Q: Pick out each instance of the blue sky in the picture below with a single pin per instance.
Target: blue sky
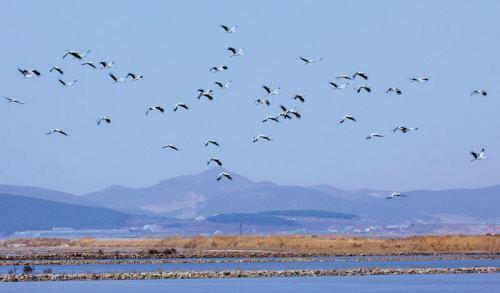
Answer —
(454, 43)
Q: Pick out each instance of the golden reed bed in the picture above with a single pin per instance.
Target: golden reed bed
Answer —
(324, 245)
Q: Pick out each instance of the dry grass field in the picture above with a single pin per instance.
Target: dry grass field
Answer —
(325, 245)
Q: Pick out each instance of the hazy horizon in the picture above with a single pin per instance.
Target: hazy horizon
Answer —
(454, 43)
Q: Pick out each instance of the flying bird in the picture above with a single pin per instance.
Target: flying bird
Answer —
(105, 119)
(271, 118)
(228, 29)
(76, 55)
(223, 85)
(360, 74)
(286, 113)
(478, 156)
(338, 86)
(363, 87)
(373, 135)
(67, 83)
(155, 108)
(393, 90)
(90, 64)
(12, 100)
(58, 69)
(180, 105)
(419, 79)
(309, 61)
(404, 129)
(260, 137)
(29, 72)
(224, 174)
(215, 160)
(57, 130)
(205, 93)
(395, 194)
(134, 76)
(344, 76)
(347, 117)
(235, 52)
(263, 102)
(299, 98)
(116, 79)
(170, 146)
(270, 91)
(210, 141)
(106, 64)
(479, 92)
(219, 68)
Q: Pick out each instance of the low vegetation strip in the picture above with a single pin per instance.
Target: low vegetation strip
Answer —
(239, 274)
(245, 246)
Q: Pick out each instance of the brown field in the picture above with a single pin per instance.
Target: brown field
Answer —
(318, 245)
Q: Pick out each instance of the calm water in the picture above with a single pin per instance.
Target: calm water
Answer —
(402, 283)
(330, 264)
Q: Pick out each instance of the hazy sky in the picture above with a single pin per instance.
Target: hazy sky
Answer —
(174, 43)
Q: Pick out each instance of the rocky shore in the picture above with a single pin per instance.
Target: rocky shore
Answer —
(116, 261)
(240, 274)
(171, 253)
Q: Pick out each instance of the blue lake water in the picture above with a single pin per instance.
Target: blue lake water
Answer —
(400, 283)
(343, 263)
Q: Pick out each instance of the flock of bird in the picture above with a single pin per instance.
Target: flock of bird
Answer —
(341, 82)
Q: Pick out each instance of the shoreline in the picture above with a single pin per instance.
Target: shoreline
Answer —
(242, 274)
(196, 260)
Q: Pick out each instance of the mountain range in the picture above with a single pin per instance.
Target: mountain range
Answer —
(200, 196)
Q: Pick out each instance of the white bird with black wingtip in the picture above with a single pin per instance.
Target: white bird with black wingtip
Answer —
(374, 135)
(224, 175)
(155, 108)
(116, 79)
(223, 85)
(58, 131)
(58, 69)
(337, 86)
(75, 54)
(347, 117)
(104, 119)
(271, 118)
(261, 137)
(404, 129)
(205, 93)
(479, 92)
(270, 91)
(27, 73)
(478, 156)
(212, 142)
(13, 100)
(263, 102)
(64, 83)
(309, 61)
(363, 87)
(228, 29)
(134, 77)
(170, 146)
(180, 105)
(219, 68)
(215, 160)
(235, 51)
(395, 194)
(393, 90)
(419, 79)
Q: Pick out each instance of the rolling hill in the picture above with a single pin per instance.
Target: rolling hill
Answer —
(20, 213)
